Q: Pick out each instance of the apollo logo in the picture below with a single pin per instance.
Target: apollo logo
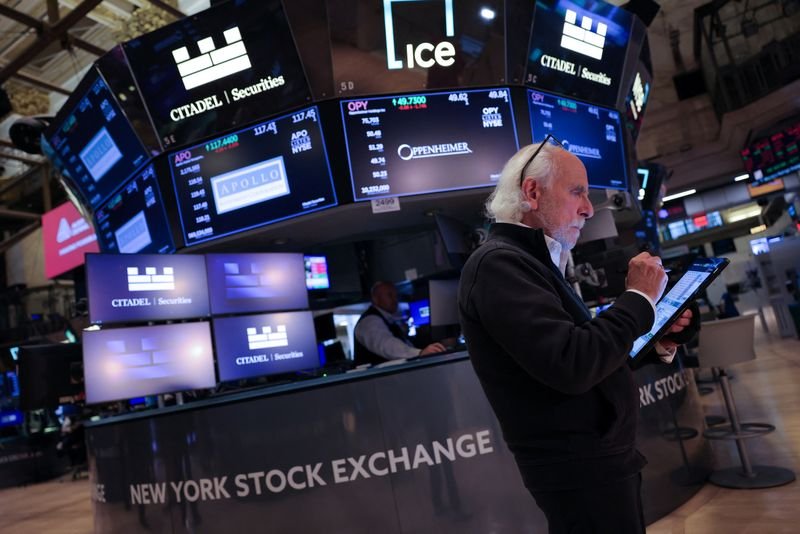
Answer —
(250, 185)
(134, 235)
(151, 280)
(212, 63)
(267, 339)
(424, 54)
(100, 154)
(582, 39)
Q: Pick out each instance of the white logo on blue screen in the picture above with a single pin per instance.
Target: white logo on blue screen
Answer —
(492, 118)
(100, 154)
(582, 39)
(134, 235)
(582, 151)
(408, 152)
(152, 360)
(212, 63)
(250, 185)
(424, 54)
(151, 280)
(267, 338)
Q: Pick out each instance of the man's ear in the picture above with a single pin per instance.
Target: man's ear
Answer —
(531, 191)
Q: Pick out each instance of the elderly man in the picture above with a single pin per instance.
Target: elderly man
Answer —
(557, 379)
(378, 337)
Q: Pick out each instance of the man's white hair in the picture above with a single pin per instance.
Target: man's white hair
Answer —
(505, 202)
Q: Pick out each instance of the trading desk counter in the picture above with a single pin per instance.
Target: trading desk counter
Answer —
(405, 448)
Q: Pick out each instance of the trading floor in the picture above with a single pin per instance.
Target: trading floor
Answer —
(765, 390)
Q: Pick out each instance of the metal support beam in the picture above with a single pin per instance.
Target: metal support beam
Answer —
(47, 197)
(40, 83)
(86, 46)
(52, 11)
(168, 8)
(56, 32)
(19, 236)
(16, 214)
(22, 18)
(23, 159)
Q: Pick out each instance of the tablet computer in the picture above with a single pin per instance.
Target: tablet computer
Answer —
(699, 275)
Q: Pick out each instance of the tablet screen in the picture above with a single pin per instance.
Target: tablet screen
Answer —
(700, 273)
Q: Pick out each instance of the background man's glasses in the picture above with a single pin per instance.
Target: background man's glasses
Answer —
(549, 138)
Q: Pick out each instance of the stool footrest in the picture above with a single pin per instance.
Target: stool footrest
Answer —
(748, 430)
(764, 476)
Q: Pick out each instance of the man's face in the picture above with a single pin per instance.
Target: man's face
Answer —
(561, 208)
(385, 298)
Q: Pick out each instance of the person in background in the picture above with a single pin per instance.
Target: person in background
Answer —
(558, 380)
(378, 338)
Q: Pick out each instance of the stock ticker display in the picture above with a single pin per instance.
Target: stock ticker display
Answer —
(265, 173)
(425, 143)
(774, 156)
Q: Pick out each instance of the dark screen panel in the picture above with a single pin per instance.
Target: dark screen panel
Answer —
(95, 144)
(47, 373)
(268, 172)
(592, 133)
(223, 67)
(134, 220)
(146, 287)
(266, 344)
(579, 49)
(413, 45)
(413, 144)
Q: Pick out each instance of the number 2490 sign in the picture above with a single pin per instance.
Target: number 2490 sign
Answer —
(385, 205)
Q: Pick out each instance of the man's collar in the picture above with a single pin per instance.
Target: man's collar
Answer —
(553, 247)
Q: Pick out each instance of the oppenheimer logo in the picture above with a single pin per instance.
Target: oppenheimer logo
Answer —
(212, 63)
(582, 39)
(408, 152)
(424, 54)
(582, 151)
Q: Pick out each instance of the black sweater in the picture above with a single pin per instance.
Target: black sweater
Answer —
(557, 379)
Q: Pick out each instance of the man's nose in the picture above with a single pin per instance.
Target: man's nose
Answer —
(586, 209)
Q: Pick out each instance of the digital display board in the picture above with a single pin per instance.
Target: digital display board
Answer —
(240, 283)
(265, 173)
(413, 144)
(774, 156)
(592, 133)
(124, 363)
(420, 312)
(579, 49)
(225, 66)
(66, 237)
(316, 268)
(134, 219)
(265, 344)
(416, 45)
(636, 101)
(96, 147)
(145, 287)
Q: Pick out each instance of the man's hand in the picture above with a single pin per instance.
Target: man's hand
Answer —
(646, 274)
(683, 321)
(433, 348)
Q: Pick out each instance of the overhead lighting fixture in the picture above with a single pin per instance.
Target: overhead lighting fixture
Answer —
(757, 229)
(487, 13)
(679, 195)
(741, 177)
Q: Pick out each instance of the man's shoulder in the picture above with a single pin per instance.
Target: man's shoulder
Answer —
(498, 250)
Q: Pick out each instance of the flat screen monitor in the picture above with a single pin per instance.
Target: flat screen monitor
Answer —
(414, 144)
(125, 363)
(10, 418)
(444, 302)
(125, 288)
(416, 45)
(242, 283)
(134, 220)
(220, 68)
(420, 311)
(66, 237)
(49, 375)
(324, 327)
(265, 344)
(262, 174)
(10, 384)
(316, 268)
(759, 246)
(592, 133)
(96, 147)
(636, 100)
(578, 49)
(774, 155)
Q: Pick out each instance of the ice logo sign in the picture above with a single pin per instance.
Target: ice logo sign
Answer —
(151, 280)
(582, 39)
(423, 54)
(267, 338)
(213, 63)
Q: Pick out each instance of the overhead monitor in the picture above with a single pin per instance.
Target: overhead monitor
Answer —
(241, 283)
(444, 302)
(125, 363)
(66, 237)
(578, 49)
(426, 143)
(316, 268)
(223, 67)
(773, 156)
(126, 288)
(265, 173)
(416, 45)
(420, 311)
(96, 146)
(134, 220)
(265, 344)
(49, 375)
(592, 133)
(636, 100)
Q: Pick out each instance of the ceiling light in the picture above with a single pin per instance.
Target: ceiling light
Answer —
(487, 13)
(757, 229)
(741, 177)
(680, 195)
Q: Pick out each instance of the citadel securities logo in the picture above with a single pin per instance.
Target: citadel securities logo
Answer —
(150, 361)
(267, 339)
(582, 39)
(212, 63)
(424, 54)
(246, 280)
(151, 280)
(408, 152)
